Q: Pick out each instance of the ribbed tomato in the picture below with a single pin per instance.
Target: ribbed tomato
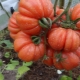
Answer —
(65, 60)
(27, 50)
(64, 39)
(12, 26)
(49, 57)
(30, 12)
(76, 14)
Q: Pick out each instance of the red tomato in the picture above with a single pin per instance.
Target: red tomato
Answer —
(76, 14)
(12, 26)
(78, 52)
(67, 60)
(30, 12)
(49, 57)
(59, 11)
(64, 39)
(27, 50)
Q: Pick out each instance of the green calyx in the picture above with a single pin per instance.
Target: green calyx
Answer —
(69, 25)
(59, 57)
(45, 22)
(36, 40)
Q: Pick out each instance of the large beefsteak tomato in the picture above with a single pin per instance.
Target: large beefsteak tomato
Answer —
(64, 39)
(31, 11)
(27, 50)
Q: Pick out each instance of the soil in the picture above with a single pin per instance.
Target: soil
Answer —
(38, 71)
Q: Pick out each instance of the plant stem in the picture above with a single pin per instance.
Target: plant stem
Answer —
(70, 73)
(76, 20)
(61, 4)
(4, 10)
(67, 8)
(67, 11)
(56, 1)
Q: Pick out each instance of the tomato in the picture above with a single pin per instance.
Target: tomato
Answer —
(27, 50)
(77, 52)
(76, 14)
(66, 60)
(30, 12)
(64, 39)
(12, 26)
(49, 57)
(59, 11)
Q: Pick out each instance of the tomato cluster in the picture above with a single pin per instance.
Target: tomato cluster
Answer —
(35, 35)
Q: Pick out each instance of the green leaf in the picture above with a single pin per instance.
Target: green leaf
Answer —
(7, 55)
(1, 62)
(9, 45)
(14, 62)
(10, 67)
(69, 78)
(64, 77)
(27, 63)
(1, 76)
(78, 77)
(21, 71)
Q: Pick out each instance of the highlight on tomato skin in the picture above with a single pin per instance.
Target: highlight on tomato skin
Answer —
(27, 50)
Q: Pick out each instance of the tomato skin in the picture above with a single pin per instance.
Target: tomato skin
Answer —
(59, 11)
(77, 52)
(12, 25)
(76, 14)
(69, 61)
(27, 50)
(49, 57)
(64, 39)
(30, 12)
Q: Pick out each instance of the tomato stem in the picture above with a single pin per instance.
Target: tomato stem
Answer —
(61, 4)
(76, 20)
(70, 73)
(55, 4)
(4, 10)
(45, 23)
(67, 8)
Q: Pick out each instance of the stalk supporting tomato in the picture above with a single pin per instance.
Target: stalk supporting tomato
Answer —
(64, 39)
(27, 50)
